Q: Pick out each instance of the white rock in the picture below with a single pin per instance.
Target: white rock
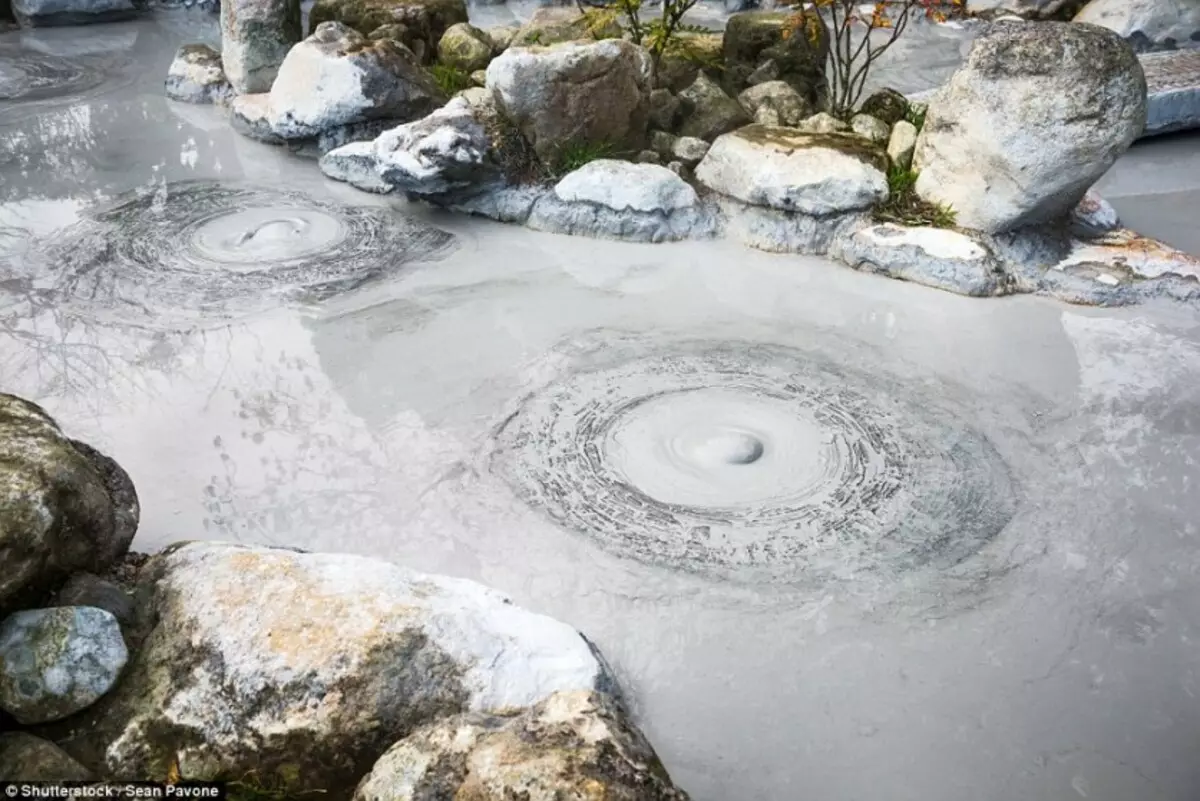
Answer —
(902, 143)
(935, 257)
(447, 151)
(870, 128)
(775, 103)
(815, 174)
(1036, 115)
(196, 76)
(355, 164)
(1147, 23)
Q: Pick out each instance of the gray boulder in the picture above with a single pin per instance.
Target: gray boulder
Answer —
(56, 662)
(465, 47)
(445, 153)
(355, 164)
(1025, 9)
(573, 745)
(1036, 115)
(337, 77)
(64, 506)
(775, 103)
(304, 668)
(779, 168)
(754, 37)
(196, 76)
(255, 38)
(25, 758)
(708, 112)
(620, 200)
(1147, 24)
(45, 13)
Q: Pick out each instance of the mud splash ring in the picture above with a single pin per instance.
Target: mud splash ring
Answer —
(212, 251)
(755, 462)
(29, 75)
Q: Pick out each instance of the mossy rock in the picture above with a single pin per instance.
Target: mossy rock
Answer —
(887, 105)
(465, 47)
(694, 53)
(797, 42)
(426, 21)
(550, 26)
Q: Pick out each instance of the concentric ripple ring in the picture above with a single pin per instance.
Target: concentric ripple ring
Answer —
(211, 251)
(755, 462)
(29, 75)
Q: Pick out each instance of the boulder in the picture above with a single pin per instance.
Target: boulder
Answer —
(1036, 115)
(934, 257)
(870, 128)
(570, 747)
(45, 13)
(823, 122)
(887, 105)
(1025, 9)
(25, 758)
(255, 37)
(85, 589)
(688, 150)
(775, 103)
(574, 94)
(782, 169)
(304, 668)
(63, 505)
(465, 47)
(355, 163)
(196, 76)
(665, 110)
(1147, 24)
(902, 143)
(56, 662)
(696, 52)
(448, 152)
(708, 112)
(336, 77)
(250, 115)
(424, 22)
(502, 36)
(798, 43)
(556, 25)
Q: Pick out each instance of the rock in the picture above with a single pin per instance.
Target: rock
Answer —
(196, 76)
(815, 174)
(678, 168)
(336, 77)
(1115, 269)
(753, 37)
(355, 164)
(1036, 115)
(933, 257)
(64, 506)
(403, 35)
(648, 157)
(697, 52)
(665, 110)
(553, 25)
(424, 21)
(823, 123)
(503, 202)
(688, 150)
(1147, 24)
(304, 668)
(250, 115)
(465, 47)
(777, 231)
(766, 71)
(1024, 9)
(1093, 216)
(775, 103)
(353, 133)
(870, 128)
(620, 200)
(502, 36)
(902, 143)
(255, 37)
(1174, 102)
(479, 78)
(39, 13)
(445, 153)
(25, 758)
(56, 662)
(574, 94)
(887, 105)
(662, 143)
(85, 589)
(708, 112)
(573, 745)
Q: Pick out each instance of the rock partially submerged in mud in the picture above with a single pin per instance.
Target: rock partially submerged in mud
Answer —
(290, 665)
(256, 36)
(196, 76)
(574, 745)
(46, 13)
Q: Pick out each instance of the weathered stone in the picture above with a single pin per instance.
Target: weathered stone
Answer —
(1173, 83)
(250, 115)
(648, 157)
(502, 36)
(752, 37)
(821, 123)
(778, 231)
(1036, 115)
(56, 662)
(355, 164)
(38, 13)
(570, 747)
(196, 76)
(696, 53)
(775, 103)
(902, 143)
(665, 110)
(870, 128)
(933, 257)
(708, 112)
(1117, 268)
(86, 589)
(424, 21)
(64, 506)
(662, 142)
(255, 38)
(620, 200)
(555, 25)
(304, 668)
(815, 174)
(336, 77)
(479, 78)
(764, 72)
(465, 47)
(1025, 9)
(574, 94)
(1093, 216)
(444, 153)
(25, 758)
(887, 105)
(689, 150)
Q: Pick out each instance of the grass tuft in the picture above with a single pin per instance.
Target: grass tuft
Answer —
(904, 207)
(451, 80)
(574, 155)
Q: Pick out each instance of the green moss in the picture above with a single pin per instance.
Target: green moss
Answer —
(905, 207)
(450, 79)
